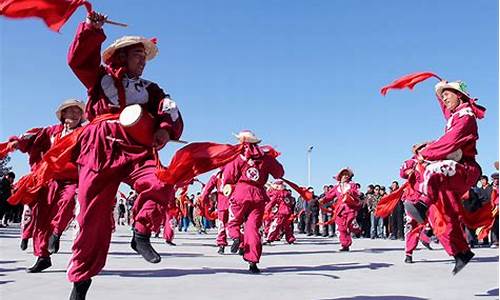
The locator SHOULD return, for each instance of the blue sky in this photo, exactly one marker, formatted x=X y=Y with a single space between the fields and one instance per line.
x=298 y=73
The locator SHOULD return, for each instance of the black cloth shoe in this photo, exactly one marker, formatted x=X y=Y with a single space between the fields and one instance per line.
x=80 y=290
x=253 y=268
x=461 y=260
x=408 y=259
x=426 y=245
x=24 y=244
x=221 y=250
x=142 y=245
x=54 y=243
x=171 y=243
x=235 y=246
x=417 y=211
x=241 y=251
x=344 y=249
x=41 y=264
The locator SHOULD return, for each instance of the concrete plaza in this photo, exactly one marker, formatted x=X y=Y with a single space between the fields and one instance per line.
x=313 y=268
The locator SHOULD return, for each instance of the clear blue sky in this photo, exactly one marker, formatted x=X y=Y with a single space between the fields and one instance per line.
x=298 y=73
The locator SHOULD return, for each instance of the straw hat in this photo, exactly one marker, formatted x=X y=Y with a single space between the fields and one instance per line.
x=457 y=86
x=69 y=103
x=344 y=170
x=149 y=46
x=247 y=136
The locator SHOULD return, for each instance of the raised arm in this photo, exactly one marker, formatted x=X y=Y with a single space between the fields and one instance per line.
x=84 y=55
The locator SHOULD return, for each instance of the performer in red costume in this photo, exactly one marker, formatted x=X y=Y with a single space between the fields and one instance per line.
x=248 y=174
x=347 y=194
x=54 y=207
x=109 y=154
x=281 y=221
x=215 y=182
x=450 y=166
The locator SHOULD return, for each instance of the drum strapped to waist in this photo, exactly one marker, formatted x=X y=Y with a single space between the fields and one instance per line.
x=138 y=123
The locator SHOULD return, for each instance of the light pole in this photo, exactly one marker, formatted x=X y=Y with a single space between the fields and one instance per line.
x=309 y=150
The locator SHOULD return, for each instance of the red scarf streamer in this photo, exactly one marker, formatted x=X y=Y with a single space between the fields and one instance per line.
x=55 y=13
x=56 y=164
x=303 y=192
x=387 y=204
x=6 y=148
x=195 y=159
x=408 y=81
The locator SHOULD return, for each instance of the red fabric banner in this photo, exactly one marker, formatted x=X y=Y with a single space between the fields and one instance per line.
x=387 y=204
x=6 y=148
x=408 y=81
x=303 y=192
x=195 y=159
x=55 y=13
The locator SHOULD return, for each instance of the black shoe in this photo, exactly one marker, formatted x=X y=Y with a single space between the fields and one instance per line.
x=241 y=251
x=408 y=259
x=142 y=245
x=417 y=211
x=332 y=235
x=344 y=249
x=171 y=243
x=426 y=245
x=41 y=264
x=221 y=250
x=54 y=243
x=461 y=260
x=235 y=246
x=309 y=234
x=253 y=268
x=324 y=235
x=80 y=290
x=24 y=244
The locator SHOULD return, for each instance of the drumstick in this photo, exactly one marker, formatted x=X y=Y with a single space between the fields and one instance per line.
x=115 y=23
x=179 y=141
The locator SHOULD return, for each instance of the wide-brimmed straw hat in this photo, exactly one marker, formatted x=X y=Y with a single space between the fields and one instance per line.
x=149 y=46
x=344 y=170
x=69 y=103
x=457 y=86
x=247 y=136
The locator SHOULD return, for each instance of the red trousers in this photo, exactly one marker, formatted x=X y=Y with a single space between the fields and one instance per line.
x=448 y=180
x=281 y=223
x=28 y=225
x=416 y=233
x=168 y=228
x=251 y=213
x=222 y=219
x=53 y=201
x=345 y=225
x=96 y=196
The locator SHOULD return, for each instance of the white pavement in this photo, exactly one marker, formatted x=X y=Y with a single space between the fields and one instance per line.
x=311 y=269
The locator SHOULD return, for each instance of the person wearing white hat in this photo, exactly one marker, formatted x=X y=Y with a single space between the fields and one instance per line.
x=280 y=222
x=109 y=153
x=347 y=192
x=54 y=209
x=450 y=166
x=247 y=175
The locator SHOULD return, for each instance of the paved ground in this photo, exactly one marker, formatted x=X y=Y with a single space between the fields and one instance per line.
x=311 y=269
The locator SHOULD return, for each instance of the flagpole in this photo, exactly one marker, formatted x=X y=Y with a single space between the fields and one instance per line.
x=309 y=150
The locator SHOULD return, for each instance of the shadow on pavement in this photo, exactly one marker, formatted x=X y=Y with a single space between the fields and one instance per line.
x=391 y=297
x=265 y=271
x=489 y=293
